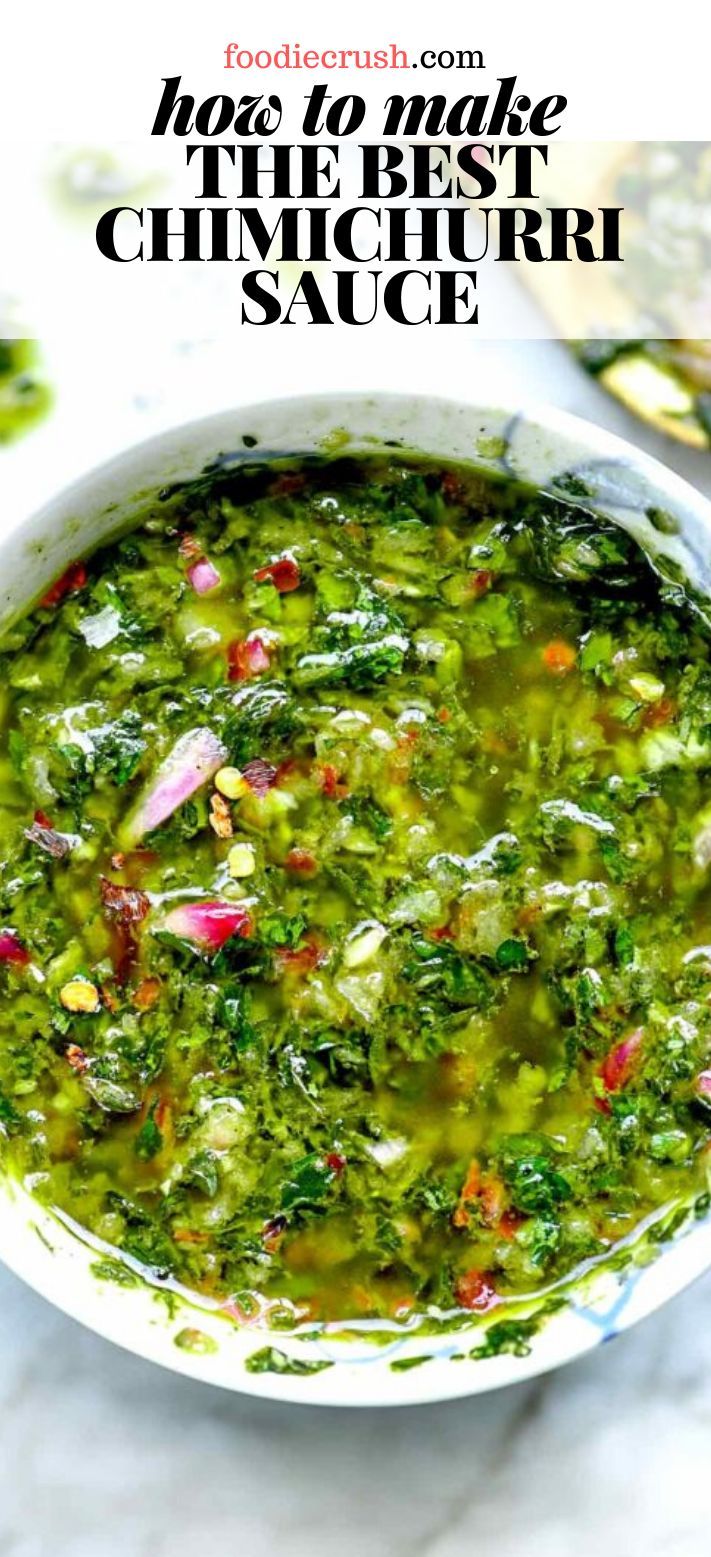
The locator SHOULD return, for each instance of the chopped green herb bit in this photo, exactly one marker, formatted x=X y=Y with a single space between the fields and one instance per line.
x=270 y=1360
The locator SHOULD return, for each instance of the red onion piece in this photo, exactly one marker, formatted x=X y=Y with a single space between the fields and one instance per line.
x=247 y=657
x=203 y=576
x=260 y=775
x=619 y=1064
x=194 y=760
x=209 y=925
x=11 y=948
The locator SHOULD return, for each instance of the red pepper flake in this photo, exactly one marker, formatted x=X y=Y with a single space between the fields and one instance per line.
x=189 y=1235
x=284 y=485
x=247 y=657
x=659 y=713
x=476 y=1291
x=190 y=548
x=400 y=762
x=492 y=1200
x=470 y=1191
x=443 y=715
x=146 y=994
x=126 y=904
x=73 y=579
x=301 y=959
x=331 y=782
x=489 y=1193
x=108 y=998
x=284 y=573
x=480 y=582
x=136 y=863
x=301 y=861
x=355 y=531
x=43 y=820
x=290 y=767
x=559 y=657
x=336 y=1162
x=452 y=487
x=163 y=1115
x=125 y=952
x=509 y=1224
x=260 y=775
x=361 y=1300
x=125 y=908
x=400 y=1307
x=77 y=1058
x=442 y=932
x=12 y=949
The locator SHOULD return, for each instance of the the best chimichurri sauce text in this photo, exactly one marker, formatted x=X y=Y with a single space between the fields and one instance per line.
x=355 y=936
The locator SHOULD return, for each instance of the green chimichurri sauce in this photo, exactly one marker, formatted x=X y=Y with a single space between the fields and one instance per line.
x=356 y=836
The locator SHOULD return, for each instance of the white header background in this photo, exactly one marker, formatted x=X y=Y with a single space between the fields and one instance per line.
x=631 y=69
x=130 y=349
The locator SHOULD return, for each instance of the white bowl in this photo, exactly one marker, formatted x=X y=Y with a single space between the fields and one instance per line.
x=541 y=448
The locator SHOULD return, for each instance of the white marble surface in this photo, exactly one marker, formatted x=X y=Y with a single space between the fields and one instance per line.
x=101 y=1454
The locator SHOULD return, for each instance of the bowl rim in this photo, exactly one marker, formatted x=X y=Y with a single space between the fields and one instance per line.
x=545 y=415
x=682 y=1260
